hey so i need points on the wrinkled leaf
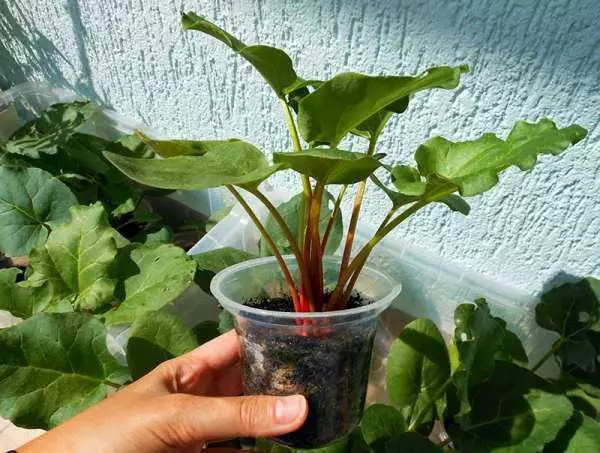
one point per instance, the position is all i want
(154, 276)
(347, 100)
(23, 301)
(76, 259)
(330, 166)
(291, 211)
(418, 368)
(53, 366)
(32, 202)
(513, 411)
(212, 262)
(233, 162)
(157, 336)
(473, 166)
(273, 64)
(53, 128)
(382, 422)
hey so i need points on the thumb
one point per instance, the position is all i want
(201, 419)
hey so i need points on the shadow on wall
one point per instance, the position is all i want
(39, 55)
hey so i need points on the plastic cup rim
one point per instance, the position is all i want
(236, 307)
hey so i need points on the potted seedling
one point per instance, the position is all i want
(307, 316)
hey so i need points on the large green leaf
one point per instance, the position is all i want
(153, 277)
(347, 100)
(52, 129)
(382, 422)
(580, 435)
(155, 337)
(512, 412)
(273, 64)
(76, 259)
(407, 442)
(25, 301)
(473, 166)
(53, 366)
(230, 162)
(291, 212)
(418, 368)
(330, 166)
(32, 202)
(214, 261)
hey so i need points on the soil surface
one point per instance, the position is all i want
(329, 364)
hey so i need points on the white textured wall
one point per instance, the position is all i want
(529, 59)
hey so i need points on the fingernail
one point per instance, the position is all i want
(288, 409)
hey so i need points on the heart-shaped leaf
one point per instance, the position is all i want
(155, 337)
(32, 202)
(382, 422)
(230, 162)
(418, 368)
(330, 166)
(347, 100)
(291, 211)
(24, 301)
(76, 259)
(53, 366)
(214, 261)
(473, 166)
(153, 277)
(52, 129)
(273, 64)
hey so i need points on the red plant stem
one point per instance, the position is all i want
(316, 255)
(286, 272)
(306, 289)
(332, 218)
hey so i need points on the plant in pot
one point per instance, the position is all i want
(306, 316)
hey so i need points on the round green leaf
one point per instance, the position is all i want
(382, 422)
(32, 202)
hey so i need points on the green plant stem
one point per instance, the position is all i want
(291, 125)
(354, 217)
(112, 384)
(416, 420)
(265, 234)
(334, 214)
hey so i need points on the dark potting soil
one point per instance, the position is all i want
(329, 366)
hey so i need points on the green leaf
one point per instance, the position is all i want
(347, 100)
(456, 203)
(513, 411)
(52, 129)
(231, 162)
(382, 422)
(23, 301)
(407, 180)
(273, 64)
(580, 435)
(154, 276)
(76, 259)
(570, 308)
(217, 216)
(214, 261)
(206, 331)
(156, 336)
(407, 442)
(155, 236)
(226, 321)
(53, 366)
(473, 166)
(584, 402)
(478, 337)
(398, 199)
(330, 166)
(291, 211)
(418, 368)
(32, 202)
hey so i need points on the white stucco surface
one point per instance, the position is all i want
(529, 59)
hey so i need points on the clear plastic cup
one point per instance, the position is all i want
(324, 355)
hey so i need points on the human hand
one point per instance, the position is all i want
(178, 407)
